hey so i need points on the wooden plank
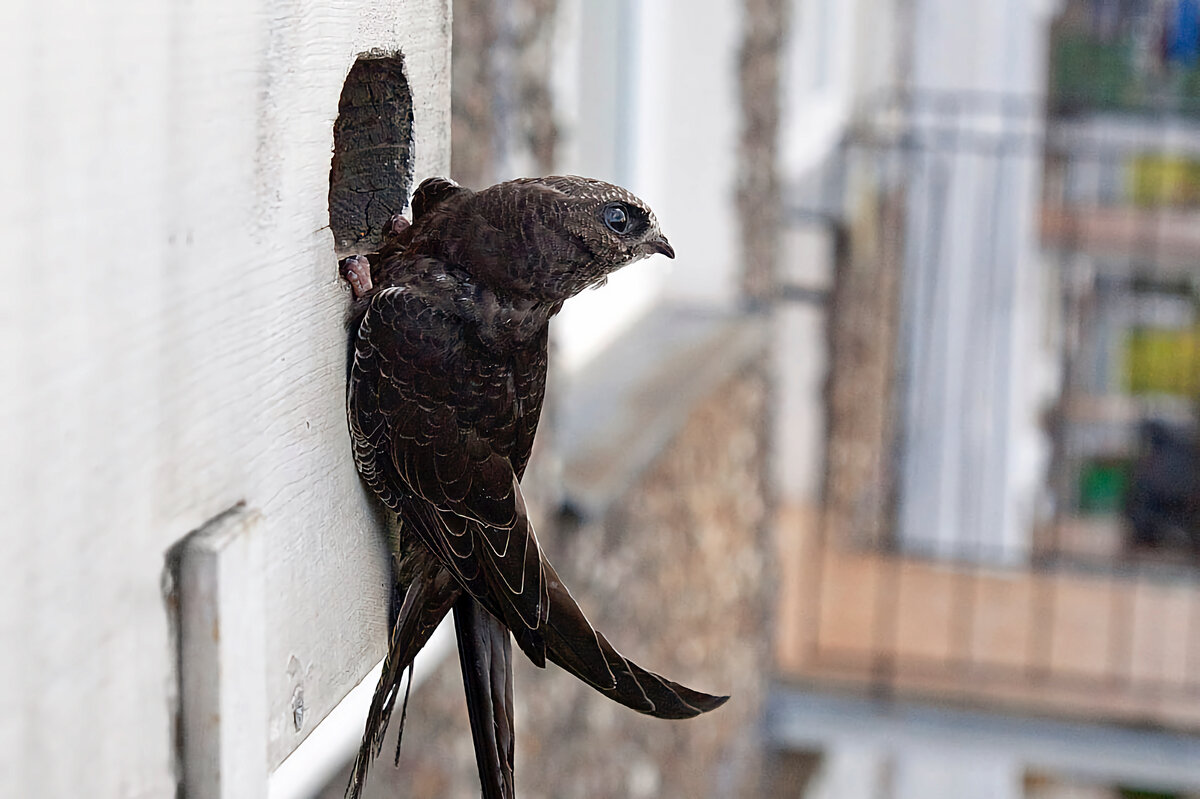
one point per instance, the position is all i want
(1123, 232)
(1066, 697)
(172, 342)
(1109, 647)
(1159, 638)
(1192, 655)
(797, 618)
(334, 742)
(221, 619)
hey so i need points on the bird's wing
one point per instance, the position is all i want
(567, 638)
(436, 417)
(434, 431)
(432, 192)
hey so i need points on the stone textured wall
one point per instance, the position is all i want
(860, 482)
(765, 26)
(502, 111)
(677, 576)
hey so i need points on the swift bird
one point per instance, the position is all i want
(446, 383)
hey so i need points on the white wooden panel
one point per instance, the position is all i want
(333, 743)
(223, 709)
(656, 110)
(171, 343)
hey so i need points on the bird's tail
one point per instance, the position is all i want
(485, 655)
(427, 599)
(567, 638)
(576, 646)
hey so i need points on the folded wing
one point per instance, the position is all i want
(445, 430)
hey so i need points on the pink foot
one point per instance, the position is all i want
(394, 227)
(393, 235)
(356, 270)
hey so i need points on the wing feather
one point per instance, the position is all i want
(435, 417)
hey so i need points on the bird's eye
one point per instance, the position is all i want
(616, 218)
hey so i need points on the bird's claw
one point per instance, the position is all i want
(394, 227)
(356, 270)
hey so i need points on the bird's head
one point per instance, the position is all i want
(573, 232)
(616, 226)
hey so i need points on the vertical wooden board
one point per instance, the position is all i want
(326, 592)
(83, 137)
(1180, 630)
(218, 591)
(1003, 610)
(1081, 627)
(174, 342)
(924, 608)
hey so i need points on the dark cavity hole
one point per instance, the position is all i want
(372, 151)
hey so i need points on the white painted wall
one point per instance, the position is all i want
(977, 369)
(854, 771)
(649, 101)
(172, 343)
(980, 374)
(819, 88)
(908, 750)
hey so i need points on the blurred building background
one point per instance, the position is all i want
(990, 585)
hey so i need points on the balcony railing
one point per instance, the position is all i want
(1122, 644)
(1079, 607)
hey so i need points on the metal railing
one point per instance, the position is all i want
(1007, 288)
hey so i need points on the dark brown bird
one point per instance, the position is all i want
(446, 385)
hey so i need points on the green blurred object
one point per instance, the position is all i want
(1159, 361)
(1136, 793)
(1088, 75)
(1102, 486)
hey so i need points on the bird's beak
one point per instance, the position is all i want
(659, 244)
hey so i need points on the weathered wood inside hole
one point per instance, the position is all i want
(372, 166)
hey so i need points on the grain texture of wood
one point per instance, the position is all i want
(172, 342)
